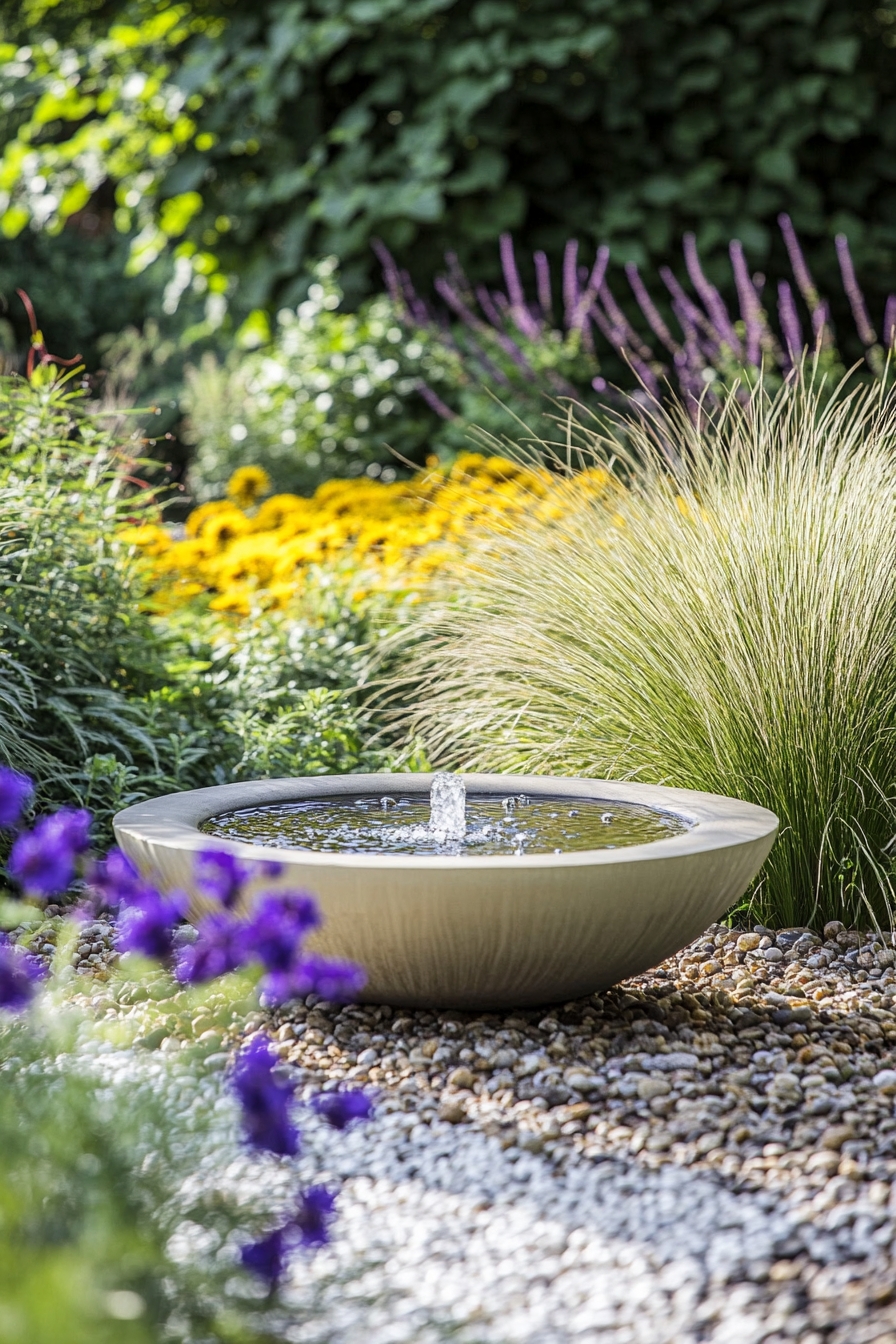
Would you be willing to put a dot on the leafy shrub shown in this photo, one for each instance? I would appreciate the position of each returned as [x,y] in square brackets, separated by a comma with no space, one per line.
[252,138]
[78,653]
[325,398]
[725,625]
[105,703]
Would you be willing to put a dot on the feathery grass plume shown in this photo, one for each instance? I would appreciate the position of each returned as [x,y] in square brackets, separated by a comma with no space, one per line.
[728,624]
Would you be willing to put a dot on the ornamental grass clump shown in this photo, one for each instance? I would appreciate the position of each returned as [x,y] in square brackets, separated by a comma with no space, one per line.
[727,623]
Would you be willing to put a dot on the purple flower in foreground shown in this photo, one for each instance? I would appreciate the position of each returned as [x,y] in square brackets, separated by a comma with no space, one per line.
[116,881]
[267,1257]
[19,974]
[72,825]
[308,1227]
[220,948]
[338,981]
[339,1109]
[316,1207]
[15,792]
[148,925]
[42,861]
[279,923]
[221,875]
[265,1100]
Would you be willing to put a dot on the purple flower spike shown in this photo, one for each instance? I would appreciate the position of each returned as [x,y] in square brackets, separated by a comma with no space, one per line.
[712,299]
[220,948]
[801,272]
[221,875]
[265,1100]
[543,286]
[316,1208]
[570,282]
[749,302]
[147,927]
[790,322]
[267,1258]
[890,322]
[339,1109]
[853,293]
[19,975]
[15,792]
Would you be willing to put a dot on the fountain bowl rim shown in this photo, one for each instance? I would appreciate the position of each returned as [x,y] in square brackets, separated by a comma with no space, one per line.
[713,820]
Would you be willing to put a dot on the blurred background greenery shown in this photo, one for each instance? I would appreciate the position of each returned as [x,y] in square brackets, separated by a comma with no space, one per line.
[172,173]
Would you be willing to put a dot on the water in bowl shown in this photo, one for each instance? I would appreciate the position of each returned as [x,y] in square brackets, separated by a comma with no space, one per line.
[450,822]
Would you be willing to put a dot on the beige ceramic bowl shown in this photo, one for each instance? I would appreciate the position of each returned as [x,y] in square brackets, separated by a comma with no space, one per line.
[495,932]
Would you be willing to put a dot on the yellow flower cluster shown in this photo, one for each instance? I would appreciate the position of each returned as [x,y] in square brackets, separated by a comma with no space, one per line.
[396,536]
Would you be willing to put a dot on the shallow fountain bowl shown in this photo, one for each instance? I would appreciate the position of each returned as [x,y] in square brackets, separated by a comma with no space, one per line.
[483,932]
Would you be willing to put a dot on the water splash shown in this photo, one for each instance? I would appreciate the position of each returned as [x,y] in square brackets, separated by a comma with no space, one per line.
[448,807]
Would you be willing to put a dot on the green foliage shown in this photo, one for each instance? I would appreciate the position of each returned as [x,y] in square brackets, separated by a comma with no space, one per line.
[248,137]
[335,393]
[104,704]
[277,694]
[728,626]
[94,1171]
[324,398]
[78,654]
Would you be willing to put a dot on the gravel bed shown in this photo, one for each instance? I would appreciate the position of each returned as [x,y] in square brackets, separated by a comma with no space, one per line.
[704,1153]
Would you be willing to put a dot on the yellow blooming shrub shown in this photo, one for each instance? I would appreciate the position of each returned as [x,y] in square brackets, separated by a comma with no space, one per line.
[395,535]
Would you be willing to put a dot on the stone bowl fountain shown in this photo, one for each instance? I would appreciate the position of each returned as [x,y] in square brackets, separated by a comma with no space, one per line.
[513,891]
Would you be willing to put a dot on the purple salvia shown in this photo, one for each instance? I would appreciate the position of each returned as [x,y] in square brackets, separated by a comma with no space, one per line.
[749,303]
[570,282]
[507,343]
[489,305]
[790,323]
[458,276]
[821,318]
[434,401]
[518,309]
[543,286]
[710,296]
[801,273]
[867,334]
[890,322]
[593,285]
[649,308]
[616,334]
[390,272]
[621,322]
[454,301]
[684,308]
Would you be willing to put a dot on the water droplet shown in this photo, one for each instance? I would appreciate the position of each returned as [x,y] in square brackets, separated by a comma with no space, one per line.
[606,818]
[558,851]
[386,803]
[573,811]
[509,804]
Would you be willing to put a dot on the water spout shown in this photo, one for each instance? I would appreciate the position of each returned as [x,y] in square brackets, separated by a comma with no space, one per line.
[448,807]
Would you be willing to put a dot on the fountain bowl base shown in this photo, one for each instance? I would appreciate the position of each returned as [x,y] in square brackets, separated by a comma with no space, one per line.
[486,932]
